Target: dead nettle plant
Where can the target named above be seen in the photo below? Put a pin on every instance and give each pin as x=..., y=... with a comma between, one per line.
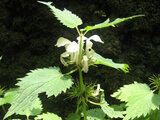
x=80, y=55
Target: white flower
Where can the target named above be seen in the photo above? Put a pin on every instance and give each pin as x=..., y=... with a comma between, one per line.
x=96, y=93
x=72, y=47
x=62, y=42
x=72, y=53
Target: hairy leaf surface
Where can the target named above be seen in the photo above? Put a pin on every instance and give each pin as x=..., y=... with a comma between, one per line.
x=107, y=23
x=109, y=110
x=95, y=114
x=48, y=116
x=35, y=109
x=109, y=62
x=66, y=17
x=140, y=99
x=49, y=80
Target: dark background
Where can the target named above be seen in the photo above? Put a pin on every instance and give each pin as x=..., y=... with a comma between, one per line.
x=29, y=31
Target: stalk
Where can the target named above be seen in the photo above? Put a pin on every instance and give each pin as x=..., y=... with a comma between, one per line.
x=82, y=93
x=27, y=117
x=80, y=50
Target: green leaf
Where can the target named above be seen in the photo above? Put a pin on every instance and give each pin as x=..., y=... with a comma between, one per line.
x=8, y=96
x=95, y=114
x=107, y=23
x=109, y=110
x=35, y=109
x=66, y=17
x=108, y=62
x=120, y=107
x=73, y=116
x=48, y=116
x=140, y=99
x=155, y=115
x=49, y=80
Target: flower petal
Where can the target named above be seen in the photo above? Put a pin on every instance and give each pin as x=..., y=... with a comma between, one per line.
x=89, y=44
x=72, y=47
x=62, y=42
x=85, y=64
x=63, y=55
x=96, y=38
x=83, y=38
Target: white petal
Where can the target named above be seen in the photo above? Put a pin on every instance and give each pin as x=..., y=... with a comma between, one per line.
x=65, y=54
x=83, y=38
x=72, y=47
x=96, y=38
x=89, y=44
x=62, y=42
x=85, y=64
x=96, y=93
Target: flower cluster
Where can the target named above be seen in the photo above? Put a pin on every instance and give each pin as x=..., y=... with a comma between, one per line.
x=76, y=53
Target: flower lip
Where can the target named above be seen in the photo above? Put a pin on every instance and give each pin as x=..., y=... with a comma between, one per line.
x=62, y=42
x=96, y=38
x=72, y=47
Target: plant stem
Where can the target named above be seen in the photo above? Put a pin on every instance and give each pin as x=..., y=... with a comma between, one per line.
x=84, y=108
x=71, y=72
x=27, y=117
x=82, y=94
x=78, y=31
x=94, y=103
x=159, y=92
x=80, y=50
x=78, y=103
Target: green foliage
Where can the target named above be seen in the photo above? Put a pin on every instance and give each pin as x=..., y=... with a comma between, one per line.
x=8, y=96
x=95, y=114
x=73, y=116
x=49, y=80
x=107, y=23
x=109, y=110
x=110, y=63
x=35, y=109
x=48, y=116
x=140, y=99
x=66, y=17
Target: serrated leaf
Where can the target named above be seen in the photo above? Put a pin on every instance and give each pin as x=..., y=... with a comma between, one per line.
x=109, y=62
x=48, y=116
x=35, y=109
x=8, y=96
x=140, y=99
x=109, y=110
x=66, y=17
x=107, y=23
x=95, y=114
x=49, y=80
